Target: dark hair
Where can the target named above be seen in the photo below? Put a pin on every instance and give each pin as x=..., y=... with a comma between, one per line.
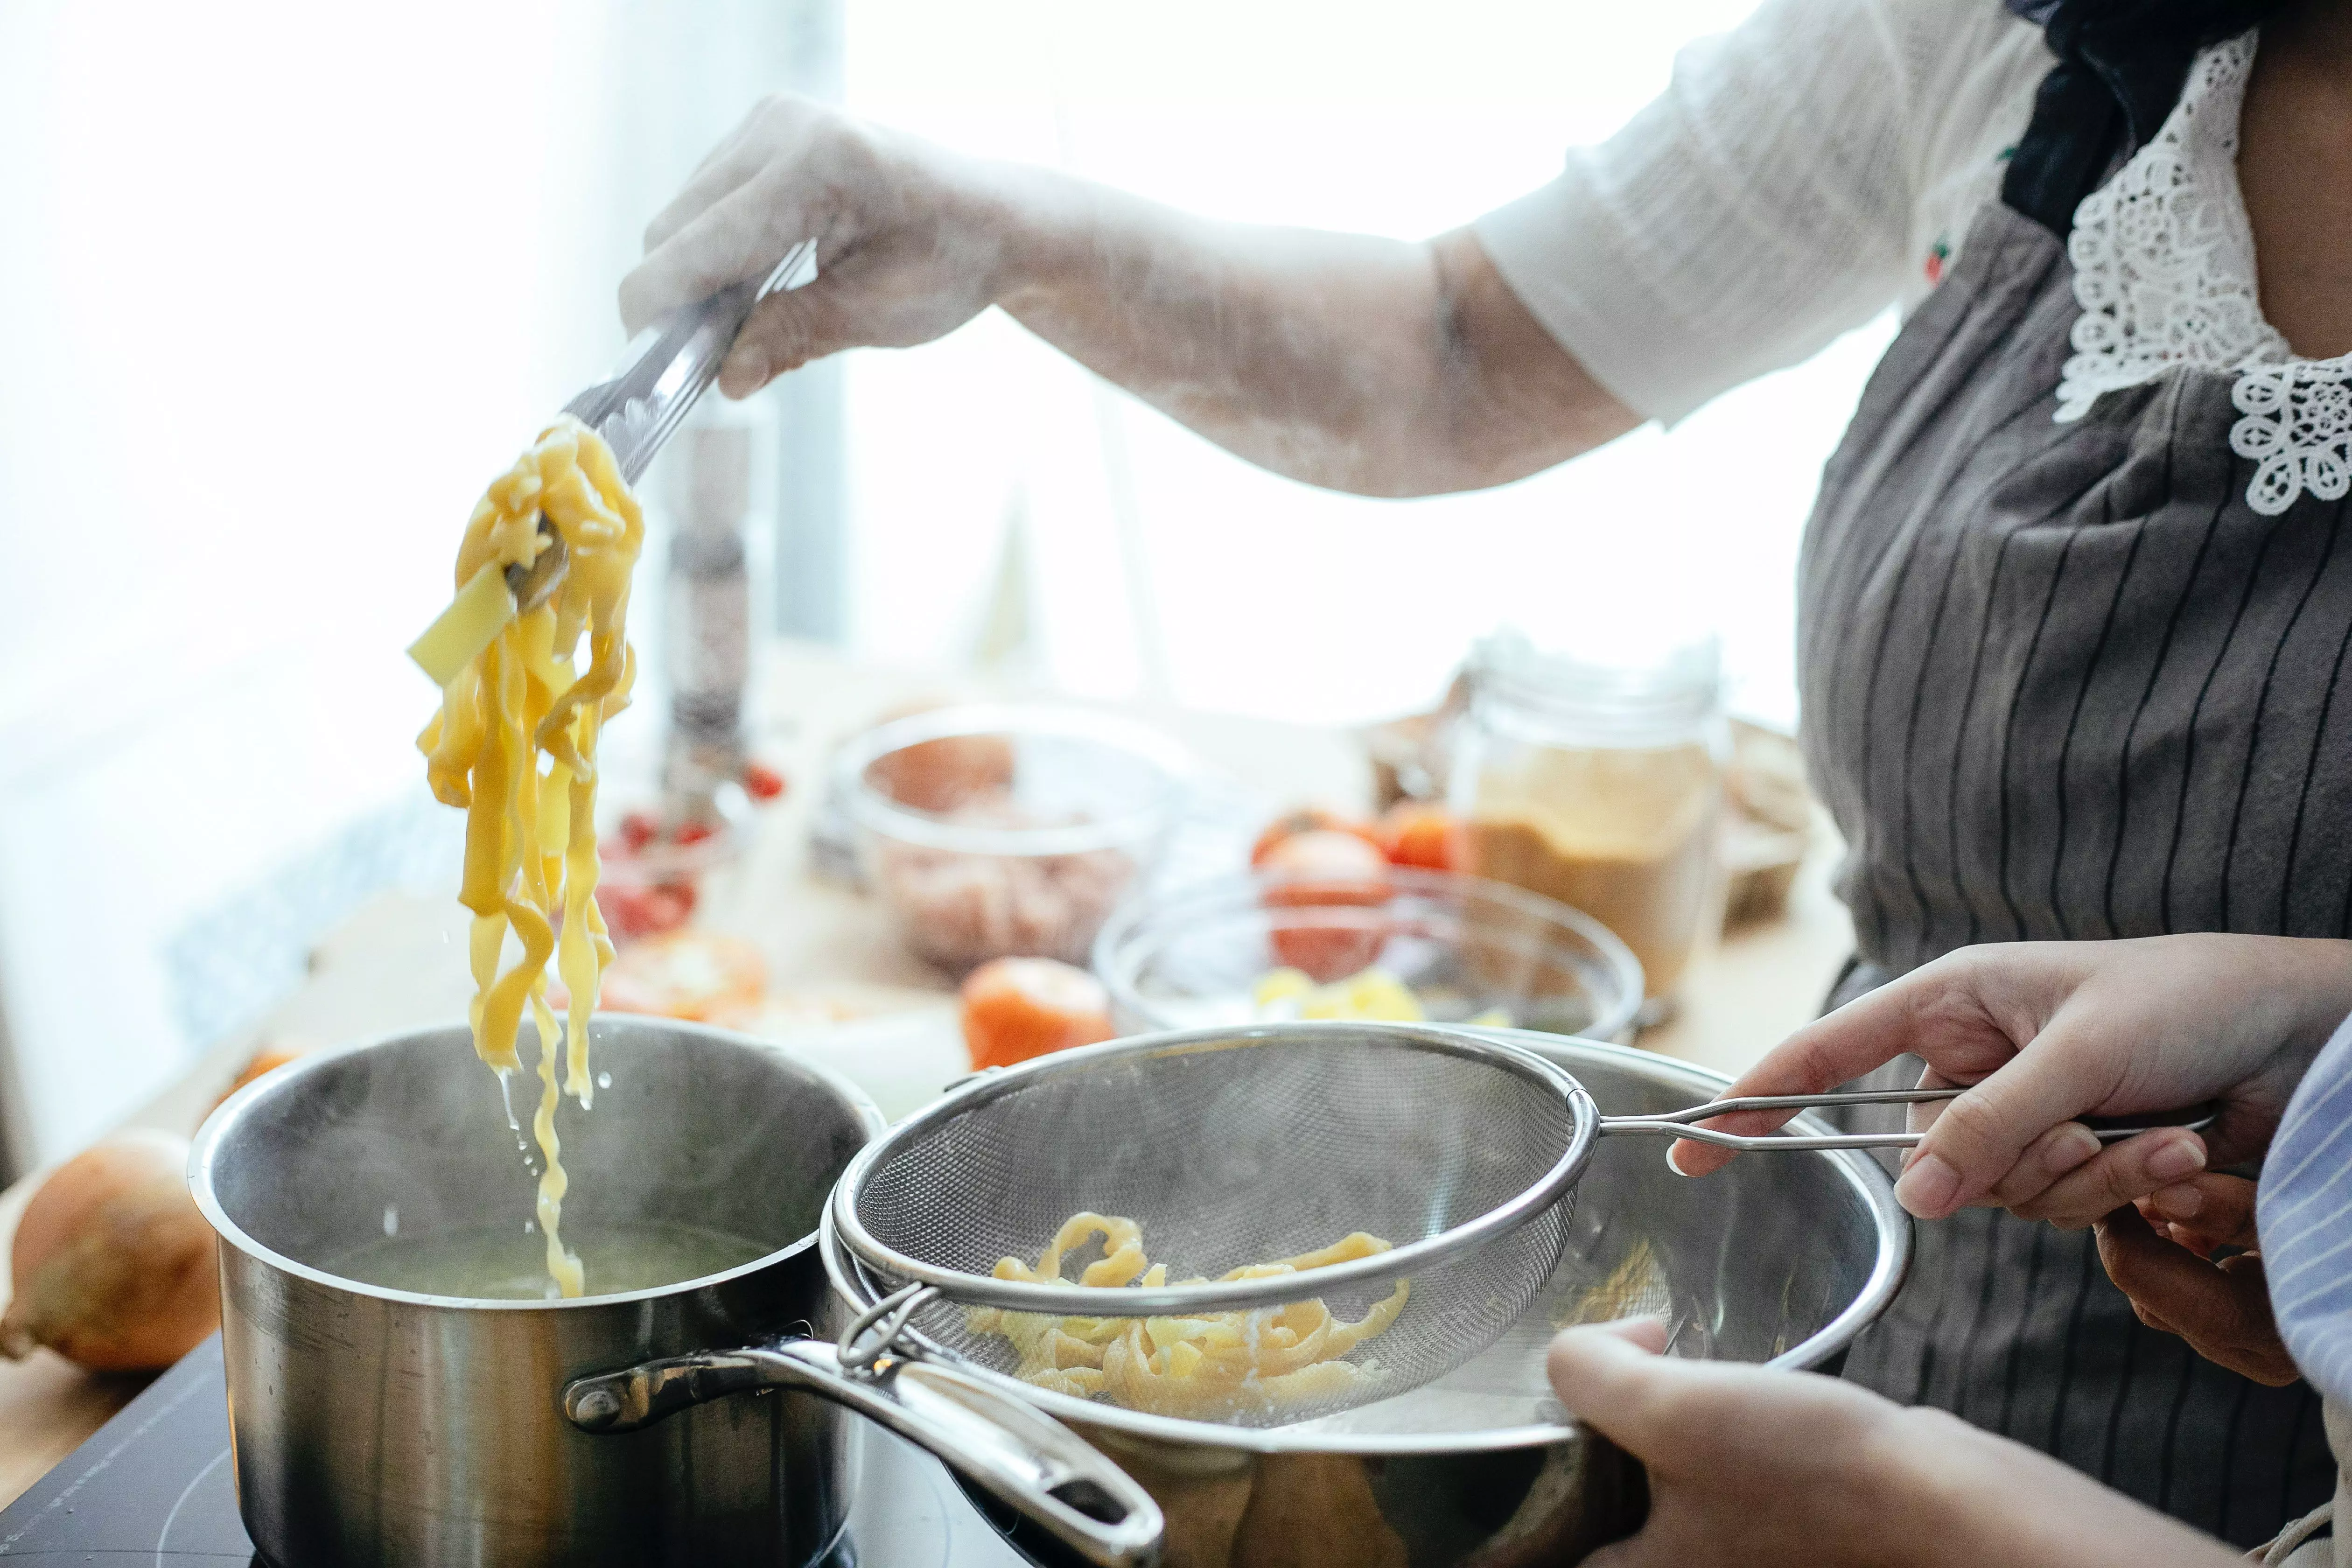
x=2121, y=64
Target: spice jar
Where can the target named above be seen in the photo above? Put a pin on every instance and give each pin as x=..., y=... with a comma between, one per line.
x=1601, y=786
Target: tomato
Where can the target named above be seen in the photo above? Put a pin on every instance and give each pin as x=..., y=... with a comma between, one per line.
x=1415, y=833
x=692, y=833
x=639, y=828
x=1016, y=1008
x=1304, y=819
x=762, y=782
x=1326, y=878
x=633, y=911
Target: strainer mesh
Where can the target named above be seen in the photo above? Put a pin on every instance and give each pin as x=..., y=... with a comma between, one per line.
x=1245, y=1152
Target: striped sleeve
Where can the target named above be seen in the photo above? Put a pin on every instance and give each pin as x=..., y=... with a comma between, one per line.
x=2304, y=1212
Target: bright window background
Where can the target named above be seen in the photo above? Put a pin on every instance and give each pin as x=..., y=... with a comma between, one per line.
x=283, y=283
x=1158, y=561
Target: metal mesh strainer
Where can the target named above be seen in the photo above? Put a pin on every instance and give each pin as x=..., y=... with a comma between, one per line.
x=1232, y=1148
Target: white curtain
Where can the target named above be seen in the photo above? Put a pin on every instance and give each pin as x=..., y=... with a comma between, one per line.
x=280, y=285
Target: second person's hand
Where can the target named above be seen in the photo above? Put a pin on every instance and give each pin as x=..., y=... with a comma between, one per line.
x=2050, y=1032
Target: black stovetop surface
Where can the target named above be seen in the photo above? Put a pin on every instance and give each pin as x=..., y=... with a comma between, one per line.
x=154, y=1485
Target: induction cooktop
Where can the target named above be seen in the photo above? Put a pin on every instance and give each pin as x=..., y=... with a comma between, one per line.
x=154, y=1487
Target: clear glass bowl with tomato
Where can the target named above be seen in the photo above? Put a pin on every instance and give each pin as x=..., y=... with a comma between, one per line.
x=1465, y=949
x=996, y=830
x=655, y=856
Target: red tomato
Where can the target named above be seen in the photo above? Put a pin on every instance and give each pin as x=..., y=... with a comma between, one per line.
x=762, y=782
x=692, y=833
x=1326, y=870
x=639, y=828
x=1304, y=819
x=1415, y=833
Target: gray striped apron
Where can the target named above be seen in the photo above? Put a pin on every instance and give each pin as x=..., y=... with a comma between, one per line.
x=2060, y=682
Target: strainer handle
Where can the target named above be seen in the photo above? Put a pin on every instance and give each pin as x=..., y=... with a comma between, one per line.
x=1679, y=1124
x=1002, y=1444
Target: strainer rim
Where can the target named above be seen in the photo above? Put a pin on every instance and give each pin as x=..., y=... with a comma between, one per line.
x=1240, y=1295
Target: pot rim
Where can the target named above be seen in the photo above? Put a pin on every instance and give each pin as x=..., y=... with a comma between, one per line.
x=1117, y=1427
x=225, y=1117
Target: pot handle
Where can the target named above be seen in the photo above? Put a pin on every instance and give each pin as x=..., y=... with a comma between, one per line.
x=1004, y=1444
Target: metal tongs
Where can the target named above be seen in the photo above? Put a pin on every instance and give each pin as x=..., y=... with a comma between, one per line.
x=1679, y=1124
x=657, y=380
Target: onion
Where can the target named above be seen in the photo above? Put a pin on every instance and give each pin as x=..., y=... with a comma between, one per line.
x=113, y=1261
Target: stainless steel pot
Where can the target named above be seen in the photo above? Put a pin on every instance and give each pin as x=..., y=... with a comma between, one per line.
x=379, y=1426
x=1781, y=1259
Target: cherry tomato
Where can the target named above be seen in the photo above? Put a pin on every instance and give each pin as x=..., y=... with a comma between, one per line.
x=1415, y=833
x=1324, y=881
x=692, y=833
x=639, y=828
x=762, y=782
x=1304, y=819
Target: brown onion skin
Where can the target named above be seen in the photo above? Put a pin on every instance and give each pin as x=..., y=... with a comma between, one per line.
x=113, y=1264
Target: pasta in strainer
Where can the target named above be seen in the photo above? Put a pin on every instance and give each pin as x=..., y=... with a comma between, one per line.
x=1193, y=1367
x=515, y=746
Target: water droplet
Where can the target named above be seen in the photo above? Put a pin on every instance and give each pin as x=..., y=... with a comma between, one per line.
x=603, y=1080
x=530, y=1228
x=392, y=1219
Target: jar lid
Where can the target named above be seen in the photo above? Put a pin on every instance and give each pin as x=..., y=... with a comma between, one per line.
x=1674, y=689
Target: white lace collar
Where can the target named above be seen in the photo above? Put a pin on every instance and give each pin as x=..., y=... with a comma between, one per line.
x=2164, y=270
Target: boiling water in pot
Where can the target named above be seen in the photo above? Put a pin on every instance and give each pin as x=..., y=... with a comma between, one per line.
x=507, y=1263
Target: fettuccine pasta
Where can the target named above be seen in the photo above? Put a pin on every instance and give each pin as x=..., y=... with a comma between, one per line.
x=1196, y=1367
x=515, y=746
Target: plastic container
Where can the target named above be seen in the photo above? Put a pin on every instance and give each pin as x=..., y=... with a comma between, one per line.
x=1002, y=830
x=1468, y=947
x=1601, y=786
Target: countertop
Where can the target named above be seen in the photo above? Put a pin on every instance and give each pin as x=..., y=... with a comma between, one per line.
x=399, y=962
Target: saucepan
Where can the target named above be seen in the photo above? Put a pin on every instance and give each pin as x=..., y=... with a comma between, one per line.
x=379, y=1426
x=1779, y=1260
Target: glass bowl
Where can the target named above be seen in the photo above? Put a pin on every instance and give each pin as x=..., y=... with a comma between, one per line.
x=996, y=830
x=1469, y=949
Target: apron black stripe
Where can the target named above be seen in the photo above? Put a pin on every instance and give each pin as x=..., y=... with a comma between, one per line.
x=2230, y=1457
x=2009, y=727
x=2132, y=1335
x=2254, y=737
x=2310, y=768
x=2074, y=1346
x=2172, y=1430
x=2017, y=1338
x=2148, y=692
x=2293, y=1444
x=1952, y=799
x=1986, y=1273
x=2196, y=714
x=1910, y=743
x=2074, y=716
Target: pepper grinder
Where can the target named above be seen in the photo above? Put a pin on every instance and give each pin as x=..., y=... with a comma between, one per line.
x=708, y=613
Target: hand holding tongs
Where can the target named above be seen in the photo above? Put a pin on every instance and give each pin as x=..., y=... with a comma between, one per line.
x=664, y=368
x=1679, y=1124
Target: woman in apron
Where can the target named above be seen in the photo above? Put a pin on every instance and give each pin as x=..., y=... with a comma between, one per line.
x=2072, y=605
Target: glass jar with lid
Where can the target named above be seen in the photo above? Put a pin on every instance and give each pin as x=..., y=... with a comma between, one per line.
x=1601, y=784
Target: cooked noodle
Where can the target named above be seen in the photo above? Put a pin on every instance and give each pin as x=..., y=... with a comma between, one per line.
x=1201, y=1366
x=515, y=746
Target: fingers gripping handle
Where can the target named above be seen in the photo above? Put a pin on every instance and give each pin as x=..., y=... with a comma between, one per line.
x=1010, y=1447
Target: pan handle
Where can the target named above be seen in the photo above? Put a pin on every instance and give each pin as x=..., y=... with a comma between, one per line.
x=1010, y=1447
x=1678, y=1123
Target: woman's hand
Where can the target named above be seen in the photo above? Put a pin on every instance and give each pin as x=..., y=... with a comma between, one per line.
x=1760, y=1468
x=2048, y=1032
x=910, y=238
x=2160, y=1254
